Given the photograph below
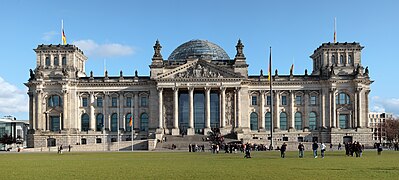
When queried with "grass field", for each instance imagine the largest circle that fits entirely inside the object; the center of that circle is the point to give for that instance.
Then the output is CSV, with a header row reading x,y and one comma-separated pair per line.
x,y
184,165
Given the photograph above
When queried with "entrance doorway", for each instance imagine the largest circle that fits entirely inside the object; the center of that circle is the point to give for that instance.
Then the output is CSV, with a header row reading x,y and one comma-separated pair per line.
x,y
347,139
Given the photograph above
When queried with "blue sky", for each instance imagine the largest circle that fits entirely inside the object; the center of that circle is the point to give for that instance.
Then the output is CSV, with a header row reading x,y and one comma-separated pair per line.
x,y
123,33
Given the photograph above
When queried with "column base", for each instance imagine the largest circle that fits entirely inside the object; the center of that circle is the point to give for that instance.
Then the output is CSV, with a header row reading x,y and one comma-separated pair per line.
x,y
291,129
190,131
206,130
175,131
262,129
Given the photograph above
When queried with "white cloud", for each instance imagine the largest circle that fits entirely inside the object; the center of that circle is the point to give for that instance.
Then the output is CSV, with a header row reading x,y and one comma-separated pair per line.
x,y
48,36
389,105
12,99
91,48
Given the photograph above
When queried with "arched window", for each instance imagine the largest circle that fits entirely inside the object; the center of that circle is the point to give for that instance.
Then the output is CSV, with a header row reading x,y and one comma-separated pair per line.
x,y
47,61
56,62
333,59
254,121
312,120
283,121
127,122
144,122
341,59
114,122
54,101
268,119
64,62
85,122
343,98
298,121
349,59
99,122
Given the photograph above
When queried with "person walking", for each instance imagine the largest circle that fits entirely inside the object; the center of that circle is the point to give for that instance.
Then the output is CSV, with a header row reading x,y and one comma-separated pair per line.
x,y
322,149
301,149
283,149
315,146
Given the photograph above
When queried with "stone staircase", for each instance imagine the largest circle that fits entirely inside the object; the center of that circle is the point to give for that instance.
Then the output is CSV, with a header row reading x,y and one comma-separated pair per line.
x,y
182,143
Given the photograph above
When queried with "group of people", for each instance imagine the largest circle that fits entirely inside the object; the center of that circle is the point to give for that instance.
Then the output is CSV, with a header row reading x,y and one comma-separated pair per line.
x,y
195,148
354,148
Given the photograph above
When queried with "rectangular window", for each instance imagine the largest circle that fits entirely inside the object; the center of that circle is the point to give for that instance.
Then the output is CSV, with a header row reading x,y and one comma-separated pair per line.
x,y
254,100
129,101
84,102
312,100
143,102
99,101
83,141
268,100
298,100
283,100
98,140
114,101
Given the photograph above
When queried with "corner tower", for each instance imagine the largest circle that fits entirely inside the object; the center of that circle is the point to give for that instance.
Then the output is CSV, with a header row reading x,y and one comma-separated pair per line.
x,y
337,59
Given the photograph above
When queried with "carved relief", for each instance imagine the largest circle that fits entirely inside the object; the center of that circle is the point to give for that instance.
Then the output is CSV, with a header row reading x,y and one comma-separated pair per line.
x,y
229,108
168,109
198,71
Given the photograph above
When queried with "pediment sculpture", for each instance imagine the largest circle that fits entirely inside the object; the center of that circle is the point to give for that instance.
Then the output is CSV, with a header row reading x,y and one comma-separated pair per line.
x,y
199,71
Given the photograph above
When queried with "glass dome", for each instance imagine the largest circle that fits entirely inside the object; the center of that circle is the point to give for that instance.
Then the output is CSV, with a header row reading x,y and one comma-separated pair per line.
x,y
200,49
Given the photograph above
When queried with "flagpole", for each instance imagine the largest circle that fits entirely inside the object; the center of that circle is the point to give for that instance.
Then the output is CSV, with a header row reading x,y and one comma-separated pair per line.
x,y
131,118
271,98
62,31
335,30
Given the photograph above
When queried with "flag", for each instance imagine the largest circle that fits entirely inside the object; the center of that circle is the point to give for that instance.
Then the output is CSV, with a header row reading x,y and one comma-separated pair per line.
x,y
292,68
270,66
64,42
131,121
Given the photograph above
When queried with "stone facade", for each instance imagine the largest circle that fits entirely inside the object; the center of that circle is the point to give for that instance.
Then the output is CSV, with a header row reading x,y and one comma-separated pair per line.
x,y
68,107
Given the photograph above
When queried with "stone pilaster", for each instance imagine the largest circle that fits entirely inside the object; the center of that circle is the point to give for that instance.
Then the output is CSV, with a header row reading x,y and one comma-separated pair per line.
x,y
238,95
292,111
207,110
262,111
277,110
92,117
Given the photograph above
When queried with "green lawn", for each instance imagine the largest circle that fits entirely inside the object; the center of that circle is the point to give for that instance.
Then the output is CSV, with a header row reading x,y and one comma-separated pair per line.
x,y
184,165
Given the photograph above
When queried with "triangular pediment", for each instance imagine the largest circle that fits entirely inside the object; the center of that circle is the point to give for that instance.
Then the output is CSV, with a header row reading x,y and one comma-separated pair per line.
x,y
198,69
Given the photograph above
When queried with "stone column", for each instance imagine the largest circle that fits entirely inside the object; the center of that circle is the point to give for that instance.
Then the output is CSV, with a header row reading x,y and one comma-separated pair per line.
x,y
175,130
121,112
360,108
32,118
262,111
238,95
323,109
292,108
277,110
190,130
136,111
40,120
223,108
305,116
160,108
355,115
334,111
207,110
92,117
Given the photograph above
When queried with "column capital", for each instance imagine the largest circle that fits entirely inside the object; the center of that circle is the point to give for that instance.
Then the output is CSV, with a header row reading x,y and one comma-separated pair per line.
x,y
175,89
359,89
190,88
333,89
262,92
207,88
159,89
223,88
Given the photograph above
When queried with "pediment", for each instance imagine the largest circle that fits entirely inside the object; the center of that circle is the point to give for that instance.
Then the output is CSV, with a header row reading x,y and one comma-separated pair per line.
x,y
198,69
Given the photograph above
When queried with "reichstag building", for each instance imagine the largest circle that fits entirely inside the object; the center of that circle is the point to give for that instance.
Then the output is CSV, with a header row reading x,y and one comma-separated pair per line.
x,y
196,89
